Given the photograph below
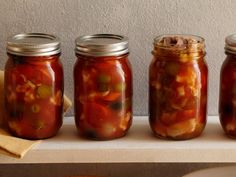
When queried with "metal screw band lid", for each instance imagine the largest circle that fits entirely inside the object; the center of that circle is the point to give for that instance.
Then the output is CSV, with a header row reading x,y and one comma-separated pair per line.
x,y
230,44
33,44
101,45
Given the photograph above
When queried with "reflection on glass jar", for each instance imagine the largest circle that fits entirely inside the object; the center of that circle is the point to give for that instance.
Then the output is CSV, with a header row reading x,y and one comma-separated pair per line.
x,y
33,86
103,86
227,101
178,87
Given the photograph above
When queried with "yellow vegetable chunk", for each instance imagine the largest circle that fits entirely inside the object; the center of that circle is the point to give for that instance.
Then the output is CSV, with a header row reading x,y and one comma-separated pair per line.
x,y
182,128
44,91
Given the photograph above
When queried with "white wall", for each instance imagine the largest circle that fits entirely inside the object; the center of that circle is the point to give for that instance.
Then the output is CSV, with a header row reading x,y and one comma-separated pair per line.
x,y
140,20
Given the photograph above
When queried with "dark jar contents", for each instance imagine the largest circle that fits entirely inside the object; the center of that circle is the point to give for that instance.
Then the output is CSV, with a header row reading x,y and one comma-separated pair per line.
x,y
227,100
33,86
103,86
178,87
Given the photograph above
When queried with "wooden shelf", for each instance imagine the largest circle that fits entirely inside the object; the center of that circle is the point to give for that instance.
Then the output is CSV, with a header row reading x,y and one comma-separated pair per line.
x,y
138,146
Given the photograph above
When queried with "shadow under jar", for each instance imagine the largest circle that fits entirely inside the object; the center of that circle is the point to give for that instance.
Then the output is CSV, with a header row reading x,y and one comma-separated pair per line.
x,y
33,86
178,87
227,100
103,86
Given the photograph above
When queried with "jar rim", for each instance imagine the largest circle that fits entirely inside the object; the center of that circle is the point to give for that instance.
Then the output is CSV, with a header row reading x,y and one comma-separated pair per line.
x,y
194,42
101,45
33,44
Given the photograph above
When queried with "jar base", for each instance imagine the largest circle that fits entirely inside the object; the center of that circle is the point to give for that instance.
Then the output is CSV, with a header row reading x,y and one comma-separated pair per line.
x,y
32,138
179,138
95,138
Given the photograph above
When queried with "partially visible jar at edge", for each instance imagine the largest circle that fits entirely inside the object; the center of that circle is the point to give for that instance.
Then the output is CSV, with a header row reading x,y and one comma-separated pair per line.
x,y
103,86
178,87
227,99
33,86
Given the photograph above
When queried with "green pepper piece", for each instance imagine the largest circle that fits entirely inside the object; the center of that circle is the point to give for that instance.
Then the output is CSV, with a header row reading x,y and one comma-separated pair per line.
x,y
119,87
103,81
44,91
104,78
35,108
116,105
172,68
17,110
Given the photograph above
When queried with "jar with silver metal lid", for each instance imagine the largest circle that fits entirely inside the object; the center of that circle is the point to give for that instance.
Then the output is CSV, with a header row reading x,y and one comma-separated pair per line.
x,y
102,86
227,99
33,85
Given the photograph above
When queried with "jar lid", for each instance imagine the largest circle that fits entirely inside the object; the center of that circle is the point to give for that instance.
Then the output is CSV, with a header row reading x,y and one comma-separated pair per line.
x,y
101,45
230,43
33,44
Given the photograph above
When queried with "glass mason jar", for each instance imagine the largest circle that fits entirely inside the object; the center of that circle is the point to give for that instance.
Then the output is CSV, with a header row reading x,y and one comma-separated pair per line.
x,y
178,87
33,86
227,100
102,86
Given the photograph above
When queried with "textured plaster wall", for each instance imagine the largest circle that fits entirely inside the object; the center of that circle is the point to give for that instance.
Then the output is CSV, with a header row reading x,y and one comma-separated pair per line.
x,y
140,20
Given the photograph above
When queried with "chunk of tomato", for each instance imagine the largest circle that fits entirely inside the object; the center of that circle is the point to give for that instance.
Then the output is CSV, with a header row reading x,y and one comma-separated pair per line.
x,y
95,114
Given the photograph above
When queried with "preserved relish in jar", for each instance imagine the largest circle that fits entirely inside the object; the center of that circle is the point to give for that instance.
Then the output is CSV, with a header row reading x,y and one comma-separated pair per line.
x,y
178,87
103,86
227,100
33,86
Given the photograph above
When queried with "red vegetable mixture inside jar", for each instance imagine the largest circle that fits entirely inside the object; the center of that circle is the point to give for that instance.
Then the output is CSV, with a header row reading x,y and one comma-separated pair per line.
x,y
227,101
103,86
33,86
178,87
